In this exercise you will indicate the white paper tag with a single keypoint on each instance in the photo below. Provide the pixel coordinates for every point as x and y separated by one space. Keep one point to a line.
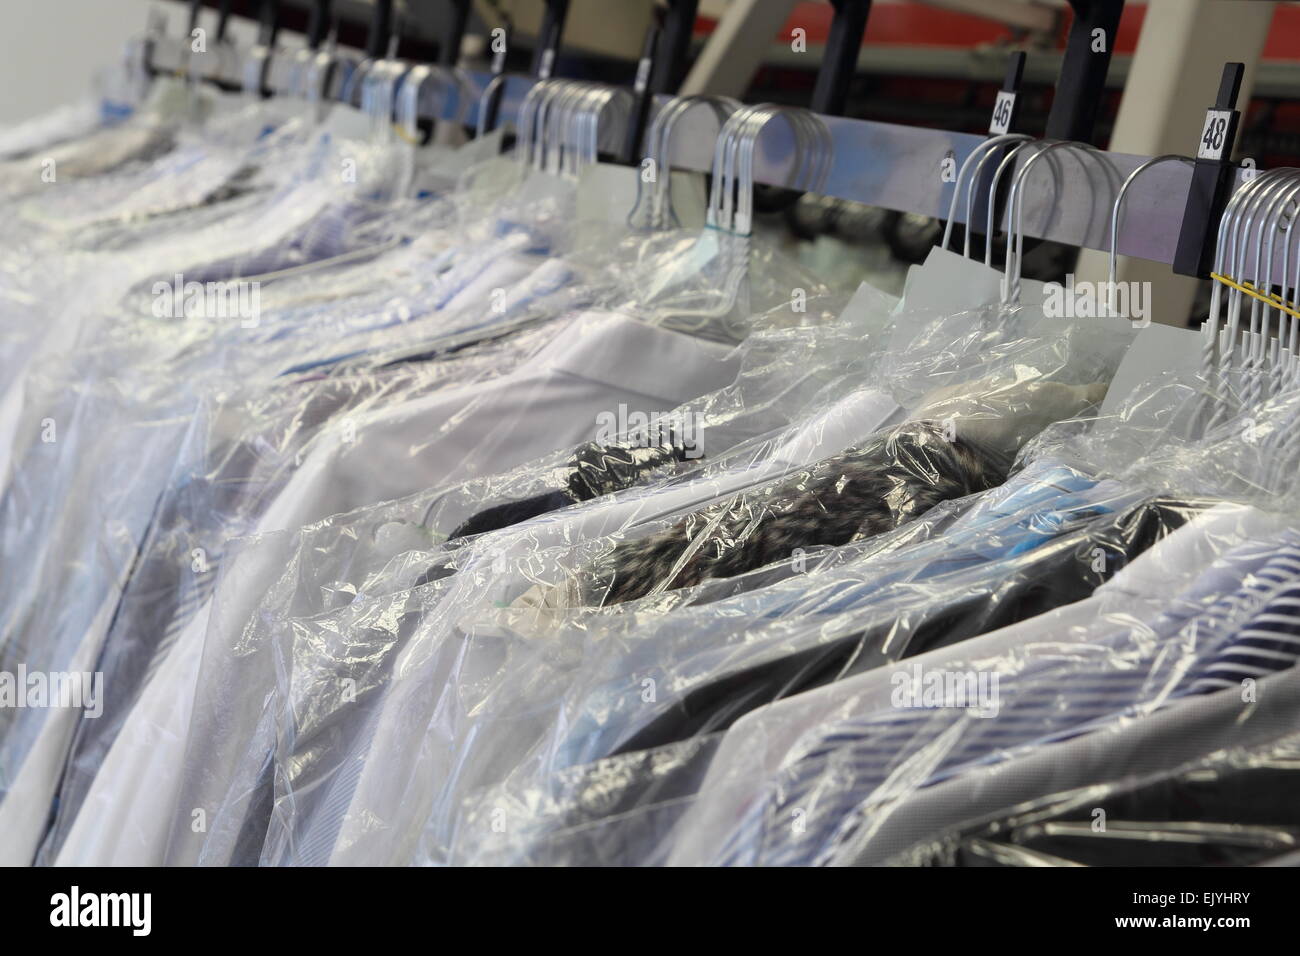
608 193
948 282
642 75
476 151
1157 351
488 181
345 121
870 306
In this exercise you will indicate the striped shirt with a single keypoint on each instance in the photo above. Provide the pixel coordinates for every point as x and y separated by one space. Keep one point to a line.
817 801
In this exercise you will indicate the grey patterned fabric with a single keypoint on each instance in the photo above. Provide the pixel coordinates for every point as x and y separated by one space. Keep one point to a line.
898 476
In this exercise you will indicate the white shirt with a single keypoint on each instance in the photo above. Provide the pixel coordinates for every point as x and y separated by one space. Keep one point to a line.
397 747
594 363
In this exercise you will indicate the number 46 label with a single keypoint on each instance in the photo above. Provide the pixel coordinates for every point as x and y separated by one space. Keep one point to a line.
1214 136
1002 110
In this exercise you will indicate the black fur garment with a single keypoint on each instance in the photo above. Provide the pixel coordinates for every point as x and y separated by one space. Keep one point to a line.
865 491
604 469
594 470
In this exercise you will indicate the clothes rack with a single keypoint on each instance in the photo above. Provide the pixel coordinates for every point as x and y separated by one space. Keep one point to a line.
901 168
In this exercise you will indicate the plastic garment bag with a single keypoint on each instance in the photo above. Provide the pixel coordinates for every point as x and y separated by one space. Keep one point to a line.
608 333
52 418
1233 807
558 815
458 602
100 152
91 292
148 132
352 688
727 409
215 146
597 707
769 390
63 123
566 380
73 636
391 532
208 165
911 740
848 791
759 384
238 453
495 384
1126 535
231 464
138 382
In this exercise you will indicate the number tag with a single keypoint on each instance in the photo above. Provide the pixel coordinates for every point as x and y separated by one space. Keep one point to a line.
1002 110
642 74
1215 134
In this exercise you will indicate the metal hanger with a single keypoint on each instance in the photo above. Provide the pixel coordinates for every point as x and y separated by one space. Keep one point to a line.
658 209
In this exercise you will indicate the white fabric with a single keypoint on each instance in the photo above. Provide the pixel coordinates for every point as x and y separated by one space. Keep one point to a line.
62 123
397 744
27 804
128 812
595 362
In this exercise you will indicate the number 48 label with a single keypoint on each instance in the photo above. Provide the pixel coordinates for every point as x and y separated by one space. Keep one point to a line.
1214 136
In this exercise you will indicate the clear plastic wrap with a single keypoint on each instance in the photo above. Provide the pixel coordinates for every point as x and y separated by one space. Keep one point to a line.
72 516
238 453
441 560
150 377
63 123
486 381
144 134
1133 527
801 782
143 367
767 382
569 366
200 506
454 593
345 555
819 398
84 298
836 778
599 708
1232 807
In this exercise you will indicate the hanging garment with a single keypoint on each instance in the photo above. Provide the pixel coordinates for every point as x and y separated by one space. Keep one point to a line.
538 797
247 448
1235 808
600 362
458 602
494 536
63 123
1030 713
1115 608
627 695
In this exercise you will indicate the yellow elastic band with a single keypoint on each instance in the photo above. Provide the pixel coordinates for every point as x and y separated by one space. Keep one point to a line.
1270 299
401 131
